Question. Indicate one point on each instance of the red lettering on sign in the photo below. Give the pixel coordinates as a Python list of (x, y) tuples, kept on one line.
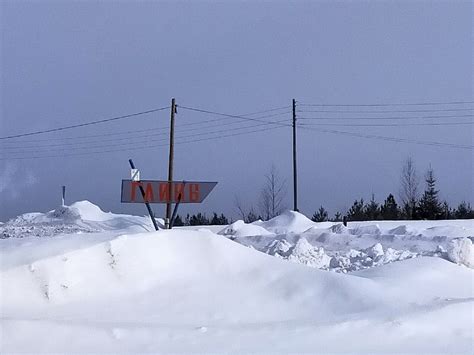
[(135, 184), (149, 192), (164, 192), (178, 192), (194, 193)]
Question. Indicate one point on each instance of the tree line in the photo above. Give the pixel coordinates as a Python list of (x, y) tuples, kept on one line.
[(411, 205)]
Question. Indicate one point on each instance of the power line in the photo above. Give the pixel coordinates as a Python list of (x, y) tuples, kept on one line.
[(390, 104), (230, 116), (150, 129), (392, 139), (386, 118), (388, 124), (83, 124), (143, 147), (389, 111), (134, 143), (72, 143)]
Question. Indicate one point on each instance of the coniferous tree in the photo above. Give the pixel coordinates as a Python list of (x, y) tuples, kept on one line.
[(320, 215), (337, 217), (372, 210), (389, 209), (464, 211), (187, 220), (178, 222), (447, 212), (429, 206), (356, 212), (198, 220), (218, 220), (223, 220)]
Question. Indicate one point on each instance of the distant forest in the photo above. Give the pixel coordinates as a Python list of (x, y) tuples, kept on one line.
[(412, 204)]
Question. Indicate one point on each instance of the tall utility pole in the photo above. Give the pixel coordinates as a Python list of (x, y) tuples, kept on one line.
[(295, 178), (170, 166), (63, 199)]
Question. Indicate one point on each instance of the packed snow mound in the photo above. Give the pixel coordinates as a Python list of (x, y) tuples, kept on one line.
[(80, 217), (242, 229), (359, 245), (200, 262), (179, 290), (287, 222), (304, 253), (461, 251), (90, 212)]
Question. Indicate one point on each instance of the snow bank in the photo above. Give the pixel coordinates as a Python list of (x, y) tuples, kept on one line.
[(287, 222), (89, 212), (80, 217), (461, 251), (186, 291), (242, 229), (360, 245)]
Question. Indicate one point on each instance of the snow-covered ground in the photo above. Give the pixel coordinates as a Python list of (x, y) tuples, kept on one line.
[(81, 280), (360, 245)]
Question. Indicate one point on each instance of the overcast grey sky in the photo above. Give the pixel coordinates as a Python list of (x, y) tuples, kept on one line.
[(64, 63)]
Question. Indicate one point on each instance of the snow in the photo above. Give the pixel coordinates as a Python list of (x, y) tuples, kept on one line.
[(125, 288), (461, 251), (359, 245)]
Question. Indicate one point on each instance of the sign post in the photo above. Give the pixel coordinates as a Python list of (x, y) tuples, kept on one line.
[(150, 212), (163, 191)]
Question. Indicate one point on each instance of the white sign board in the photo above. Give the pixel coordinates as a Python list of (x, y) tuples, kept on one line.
[(135, 174)]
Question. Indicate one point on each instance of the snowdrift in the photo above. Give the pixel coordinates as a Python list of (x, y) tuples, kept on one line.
[(80, 217), (195, 291), (360, 245)]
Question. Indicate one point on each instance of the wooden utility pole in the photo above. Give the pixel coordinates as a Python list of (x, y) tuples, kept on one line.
[(170, 166), (63, 199), (295, 178)]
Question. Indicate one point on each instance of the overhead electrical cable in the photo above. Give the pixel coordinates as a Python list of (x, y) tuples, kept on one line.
[(228, 115), (388, 124), (142, 147), (84, 124), (387, 111), (386, 118), (36, 150), (392, 139), (389, 104), (130, 138)]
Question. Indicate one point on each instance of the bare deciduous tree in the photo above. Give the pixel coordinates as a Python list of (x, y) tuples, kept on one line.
[(272, 196), (409, 182), (247, 215)]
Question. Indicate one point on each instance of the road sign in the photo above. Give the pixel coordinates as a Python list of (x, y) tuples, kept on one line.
[(135, 174), (159, 191)]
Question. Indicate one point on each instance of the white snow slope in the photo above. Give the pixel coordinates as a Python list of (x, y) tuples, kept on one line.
[(185, 291)]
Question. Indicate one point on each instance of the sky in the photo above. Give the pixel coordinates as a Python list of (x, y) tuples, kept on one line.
[(67, 63)]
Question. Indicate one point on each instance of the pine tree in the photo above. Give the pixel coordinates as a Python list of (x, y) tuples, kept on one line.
[(464, 211), (356, 212), (320, 215), (372, 210), (447, 211), (178, 222), (429, 206), (337, 217), (389, 209), (219, 220), (223, 220), (198, 220)]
